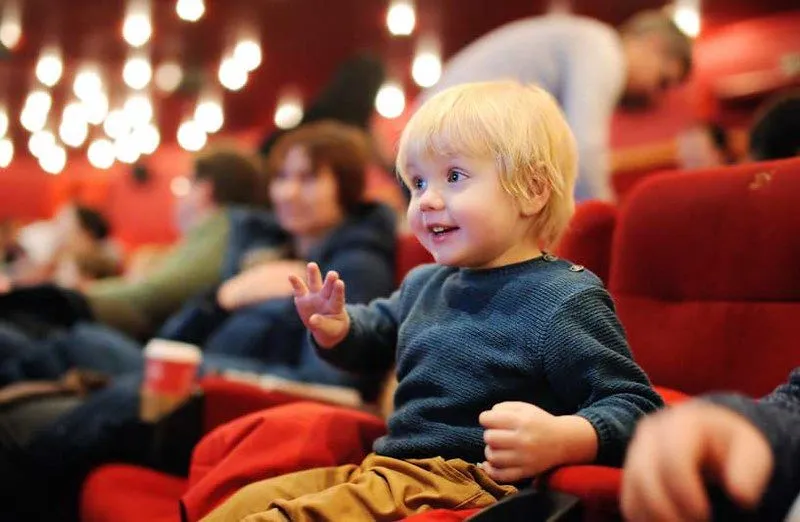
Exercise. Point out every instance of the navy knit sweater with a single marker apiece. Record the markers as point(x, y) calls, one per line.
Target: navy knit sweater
point(778, 418)
point(541, 331)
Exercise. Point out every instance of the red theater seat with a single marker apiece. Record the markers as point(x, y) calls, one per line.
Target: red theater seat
point(624, 182)
point(587, 242)
point(267, 443)
point(224, 401)
point(704, 276)
point(588, 238)
point(122, 492)
point(705, 279)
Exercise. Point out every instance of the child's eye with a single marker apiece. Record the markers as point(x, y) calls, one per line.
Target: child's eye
point(418, 183)
point(454, 176)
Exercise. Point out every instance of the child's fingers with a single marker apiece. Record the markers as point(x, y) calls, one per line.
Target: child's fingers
point(499, 419)
point(504, 475)
point(501, 439)
point(325, 325)
point(338, 296)
point(330, 281)
point(298, 286)
point(314, 277)
point(501, 458)
point(512, 406)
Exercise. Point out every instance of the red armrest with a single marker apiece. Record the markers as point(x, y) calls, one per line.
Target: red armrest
point(598, 487)
point(671, 397)
point(226, 400)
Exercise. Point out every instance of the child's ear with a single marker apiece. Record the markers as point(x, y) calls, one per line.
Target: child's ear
point(538, 196)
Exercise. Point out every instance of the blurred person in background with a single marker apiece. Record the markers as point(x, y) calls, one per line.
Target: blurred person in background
point(774, 134)
point(588, 66)
point(88, 253)
point(10, 250)
point(703, 146)
point(349, 98)
point(82, 251)
point(249, 323)
point(220, 180)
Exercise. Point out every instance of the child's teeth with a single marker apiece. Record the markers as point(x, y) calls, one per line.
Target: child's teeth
point(438, 229)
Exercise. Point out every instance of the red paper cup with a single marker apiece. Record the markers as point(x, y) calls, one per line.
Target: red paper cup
point(169, 376)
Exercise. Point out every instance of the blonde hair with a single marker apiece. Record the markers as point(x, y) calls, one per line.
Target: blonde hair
point(519, 127)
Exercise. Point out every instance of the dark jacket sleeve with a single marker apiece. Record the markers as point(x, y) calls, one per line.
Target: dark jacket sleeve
point(368, 271)
point(777, 416)
point(368, 274)
point(590, 367)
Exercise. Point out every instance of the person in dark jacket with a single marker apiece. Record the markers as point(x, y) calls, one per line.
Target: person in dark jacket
point(749, 449)
point(249, 322)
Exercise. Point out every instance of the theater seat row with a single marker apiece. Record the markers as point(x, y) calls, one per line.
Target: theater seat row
point(701, 267)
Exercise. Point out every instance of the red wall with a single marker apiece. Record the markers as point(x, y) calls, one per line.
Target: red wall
point(139, 213)
point(144, 213)
point(24, 190)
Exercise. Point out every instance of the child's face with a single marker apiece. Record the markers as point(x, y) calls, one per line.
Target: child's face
point(461, 214)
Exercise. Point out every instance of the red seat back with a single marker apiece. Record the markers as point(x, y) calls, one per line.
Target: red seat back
point(624, 182)
point(410, 254)
point(587, 240)
point(705, 274)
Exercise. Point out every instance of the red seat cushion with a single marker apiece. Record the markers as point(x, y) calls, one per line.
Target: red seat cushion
point(671, 397)
point(120, 493)
point(274, 442)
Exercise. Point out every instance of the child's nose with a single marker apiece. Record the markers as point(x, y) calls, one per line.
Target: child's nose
point(431, 200)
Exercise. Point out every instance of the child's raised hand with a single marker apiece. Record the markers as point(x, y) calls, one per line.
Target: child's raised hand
point(321, 305)
point(523, 440)
point(675, 452)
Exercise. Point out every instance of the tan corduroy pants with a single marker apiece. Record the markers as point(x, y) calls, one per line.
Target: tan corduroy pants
point(379, 489)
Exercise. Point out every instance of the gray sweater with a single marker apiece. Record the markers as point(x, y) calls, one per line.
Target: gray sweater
point(578, 60)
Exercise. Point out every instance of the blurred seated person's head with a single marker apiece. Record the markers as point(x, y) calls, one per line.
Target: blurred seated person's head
point(658, 55)
point(88, 254)
point(88, 229)
point(317, 177)
point(219, 178)
point(10, 250)
point(776, 132)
